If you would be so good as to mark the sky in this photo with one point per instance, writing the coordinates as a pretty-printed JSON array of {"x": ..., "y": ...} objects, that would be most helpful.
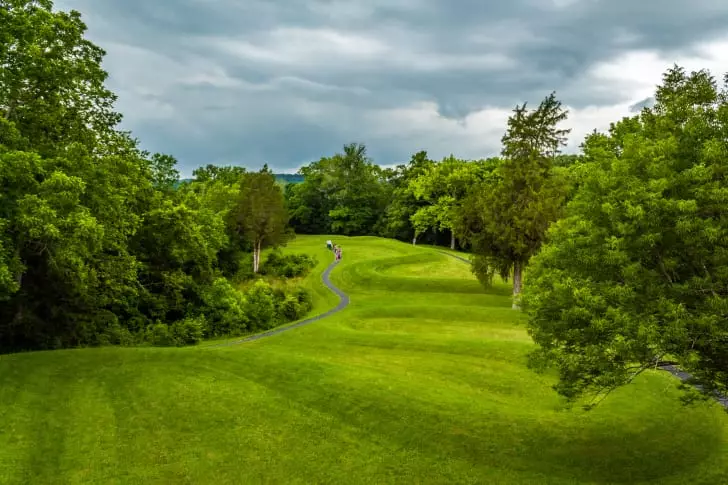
[{"x": 247, "y": 82}]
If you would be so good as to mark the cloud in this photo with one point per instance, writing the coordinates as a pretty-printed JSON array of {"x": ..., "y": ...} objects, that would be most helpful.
[
  {"x": 222, "y": 81},
  {"x": 640, "y": 105}
]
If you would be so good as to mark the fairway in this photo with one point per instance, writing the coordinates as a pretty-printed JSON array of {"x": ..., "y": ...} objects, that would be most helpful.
[{"x": 422, "y": 378}]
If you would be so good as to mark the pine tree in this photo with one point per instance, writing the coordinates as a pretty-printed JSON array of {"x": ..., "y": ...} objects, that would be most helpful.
[{"x": 506, "y": 218}]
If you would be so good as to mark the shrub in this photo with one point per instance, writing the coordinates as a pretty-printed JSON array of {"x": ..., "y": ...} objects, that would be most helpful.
[
  {"x": 305, "y": 299},
  {"x": 224, "y": 308},
  {"x": 295, "y": 305},
  {"x": 115, "y": 334},
  {"x": 189, "y": 331},
  {"x": 287, "y": 266},
  {"x": 289, "y": 309},
  {"x": 159, "y": 335},
  {"x": 260, "y": 307},
  {"x": 245, "y": 268}
]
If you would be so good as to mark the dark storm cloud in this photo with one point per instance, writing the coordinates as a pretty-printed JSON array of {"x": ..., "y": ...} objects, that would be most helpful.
[
  {"x": 215, "y": 81},
  {"x": 645, "y": 103}
]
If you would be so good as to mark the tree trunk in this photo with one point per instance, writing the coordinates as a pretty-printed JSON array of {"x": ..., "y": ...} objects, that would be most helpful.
[
  {"x": 256, "y": 256},
  {"x": 517, "y": 283},
  {"x": 260, "y": 245},
  {"x": 452, "y": 241},
  {"x": 414, "y": 241}
]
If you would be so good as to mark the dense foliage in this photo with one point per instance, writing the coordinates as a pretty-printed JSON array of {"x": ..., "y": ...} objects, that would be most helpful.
[
  {"x": 96, "y": 245},
  {"x": 348, "y": 194},
  {"x": 637, "y": 271}
]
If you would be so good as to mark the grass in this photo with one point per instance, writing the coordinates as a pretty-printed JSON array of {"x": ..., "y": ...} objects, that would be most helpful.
[{"x": 422, "y": 379}]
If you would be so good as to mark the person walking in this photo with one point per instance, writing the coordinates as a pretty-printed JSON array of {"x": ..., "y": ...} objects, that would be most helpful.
[{"x": 329, "y": 245}]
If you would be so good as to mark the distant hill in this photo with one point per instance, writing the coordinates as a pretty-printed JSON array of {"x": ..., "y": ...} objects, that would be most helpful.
[
  {"x": 281, "y": 178},
  {"x": 291, "y": 178}
]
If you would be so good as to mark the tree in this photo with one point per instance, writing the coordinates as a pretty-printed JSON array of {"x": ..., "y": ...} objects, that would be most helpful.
[
  {"x": 71, "y": 187},
  {"x": 442, "y": 186},
  {"x": 51, "y": 80},
  {"x": 637, "y": 271},
  {"x": 403, "y": 204},
  {"x": 164, "y": 174},
  {"x": 260, "y": 213},
  {"x": 344, "y": 194},
  {"x": 177, "y": 246},
  {"x": 355, "y": 188},
  {"x": 309, "y": 202},
  {"x": 230, "y": 175},
  {"x": 506, "y": 219}
]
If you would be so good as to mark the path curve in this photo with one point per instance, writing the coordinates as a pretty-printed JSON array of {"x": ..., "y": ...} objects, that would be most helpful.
[
  {"x": 325, "y": 277},
  {"x": 667, "y": 367}
]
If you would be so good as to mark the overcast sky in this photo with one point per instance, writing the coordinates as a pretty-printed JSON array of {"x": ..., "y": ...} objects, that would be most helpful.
[{"x": 286, "y": 82}]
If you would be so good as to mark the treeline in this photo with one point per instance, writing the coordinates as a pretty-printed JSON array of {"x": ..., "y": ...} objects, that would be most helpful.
[
  {"x": 499, "y": 208},
  {"x": 97, "y": 245},
  {"x": 622, "y": 248}
]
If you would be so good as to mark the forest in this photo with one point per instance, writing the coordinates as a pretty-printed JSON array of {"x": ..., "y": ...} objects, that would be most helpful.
[{"x": 618, "y": 254}]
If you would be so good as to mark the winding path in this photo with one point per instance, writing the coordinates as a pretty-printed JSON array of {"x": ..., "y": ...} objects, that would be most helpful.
[
  {"x": 343, "y": 303},
  {"x": 667, "y": 367}
]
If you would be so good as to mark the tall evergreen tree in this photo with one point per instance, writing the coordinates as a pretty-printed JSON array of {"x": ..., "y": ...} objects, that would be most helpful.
[{"x": 505, "y": 221}]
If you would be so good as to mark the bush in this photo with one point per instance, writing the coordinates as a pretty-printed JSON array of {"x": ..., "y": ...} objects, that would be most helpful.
[
  {"x": 305, "y": 299},
  {"x": 294, "y": 306},
  {"x": 289, "y": 309},
  {"x": 287, "y": 266},
  {"x": 115, "y": 334},
  {"x": 245, "y": 268},
  {"x": 189, "y": 331},
  {"x": 159, "y": 335},
  {"x": 260, "y": 307},
  {"x": 224, "y": 308}
]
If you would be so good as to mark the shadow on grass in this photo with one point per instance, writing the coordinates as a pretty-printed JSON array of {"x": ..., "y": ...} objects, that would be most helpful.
[{"x": 593, "y": 449}]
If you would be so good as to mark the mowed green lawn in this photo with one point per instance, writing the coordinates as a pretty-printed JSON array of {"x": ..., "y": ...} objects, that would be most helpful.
[{"x": 422, "y": 379}]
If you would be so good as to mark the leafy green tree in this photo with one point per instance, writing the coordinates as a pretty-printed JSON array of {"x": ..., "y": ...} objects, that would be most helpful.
[
  {"x": 164, "y": 175},
  {"x": 507, "y": 219},
  {"x": 260, "y": 214},
  {"x": 71, "y": 187},
  {"x": 395, "y": 222},
  {"x": 51, "y": 80},
  {"x": 637, "y": 272},
  {"x": 344, "y": 194},
  {"x": 67, "y": 223},
  {"x": 96, "y": 245},
  {"x": 356, "y": 190},
  {"x": 219, "y": 193},
  {"x": 443, "y": 186},
  {"x": 229, "y": 175},
  {"x": 178, "y": 248},
  {"x": 309, "y": 202}
]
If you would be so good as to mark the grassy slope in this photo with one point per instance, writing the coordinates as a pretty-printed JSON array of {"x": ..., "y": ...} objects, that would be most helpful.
[{"x": 421, "y": 380}]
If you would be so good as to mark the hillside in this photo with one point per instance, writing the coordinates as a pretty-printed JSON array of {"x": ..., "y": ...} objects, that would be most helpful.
[
  {"x": 422, "y": 379},
  {"x": 283, "y": 178}
]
